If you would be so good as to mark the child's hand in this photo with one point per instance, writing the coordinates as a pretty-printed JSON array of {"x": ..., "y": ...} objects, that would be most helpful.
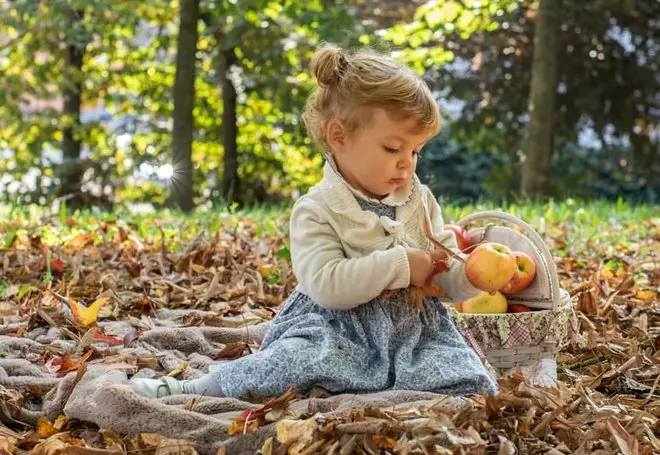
[{"x": 422, "y": 265}]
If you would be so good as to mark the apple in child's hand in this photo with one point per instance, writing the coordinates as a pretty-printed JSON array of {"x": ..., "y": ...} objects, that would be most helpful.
[
  {"x": 485, "y": 302},
  {"x": 491, "y": 266},
  {"x": 525, "y": 275},
  {"x": 462, "y": 237},
  {"x": 518, "y": 308}
]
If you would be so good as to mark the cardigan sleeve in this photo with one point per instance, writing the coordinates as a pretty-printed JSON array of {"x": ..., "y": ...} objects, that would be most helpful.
[
  {"x": 325, "y": 273},
  {"x": 453, "y": 281}
]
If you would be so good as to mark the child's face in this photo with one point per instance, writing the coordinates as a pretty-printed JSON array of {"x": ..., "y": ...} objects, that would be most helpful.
[{"x": 378, "y": 157}]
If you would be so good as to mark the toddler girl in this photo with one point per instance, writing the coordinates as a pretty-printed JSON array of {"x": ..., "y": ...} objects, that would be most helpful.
[{"x": 358, "y": 233}]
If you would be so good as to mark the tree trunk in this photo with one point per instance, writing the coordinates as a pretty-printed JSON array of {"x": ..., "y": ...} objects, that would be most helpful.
[
  {"x": 230, "y": 185},
  {"x": 230, "y": 182},
  {"x": 71, "y": 170},
  {"x": 184, "y": 100},
  {"x": 543, "y": 94}
]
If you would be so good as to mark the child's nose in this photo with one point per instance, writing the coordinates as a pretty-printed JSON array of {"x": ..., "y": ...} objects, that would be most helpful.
[{"x": 407, "y": 162}]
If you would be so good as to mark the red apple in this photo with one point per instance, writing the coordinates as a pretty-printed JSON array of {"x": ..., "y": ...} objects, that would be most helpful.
[
  {"x": 518, "y": 308},
  {"x": 525, "y": 275},
  {"x": 485, "y": 302},
  {"x": 462, "y": 237},
  {"x": 490, "y": 266},
  {"x": 438, "y": 268}
]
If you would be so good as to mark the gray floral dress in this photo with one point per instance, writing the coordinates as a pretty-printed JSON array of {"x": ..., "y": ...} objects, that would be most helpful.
[{"x": 383, "y": 344}]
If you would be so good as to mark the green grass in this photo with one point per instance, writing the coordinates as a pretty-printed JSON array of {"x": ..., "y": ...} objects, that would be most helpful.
[{"x": 577, "y": 223}]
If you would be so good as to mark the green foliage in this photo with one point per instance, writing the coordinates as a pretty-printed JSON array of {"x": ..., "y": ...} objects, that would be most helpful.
[
  {"x": 607, "y": 82},
  {"x": 476, "y": 52},
  {"x": 273, "y": 41},
  {"x": 463, "y": 175},
  {"x": 117, "y": 65}
]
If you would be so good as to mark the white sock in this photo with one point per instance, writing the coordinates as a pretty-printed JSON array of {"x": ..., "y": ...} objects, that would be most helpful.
[{"x": 206, "y": 385}]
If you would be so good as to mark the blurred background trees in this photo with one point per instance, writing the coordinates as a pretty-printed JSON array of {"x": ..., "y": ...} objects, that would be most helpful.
[{"x": 198, "y": 102}]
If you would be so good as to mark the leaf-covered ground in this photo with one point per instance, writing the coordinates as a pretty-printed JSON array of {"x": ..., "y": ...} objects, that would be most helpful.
[{"x": 56, "y": 270}]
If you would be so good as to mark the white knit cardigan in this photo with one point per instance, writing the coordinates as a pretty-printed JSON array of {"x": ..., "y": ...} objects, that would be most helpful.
[{"x": 344, "y": 256}]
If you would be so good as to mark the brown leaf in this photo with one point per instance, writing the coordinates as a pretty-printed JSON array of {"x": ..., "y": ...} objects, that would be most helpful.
[
  {"x": 231, "y": 351},
  {"x": 57, "y": 444},
  {"x": 68, "y": 365},
  {"x": 166, "y": 446},
  {"x": 629, "y": 445},
  {"x": 384, "y": 442},
  {"x": 255, "y": 418}
]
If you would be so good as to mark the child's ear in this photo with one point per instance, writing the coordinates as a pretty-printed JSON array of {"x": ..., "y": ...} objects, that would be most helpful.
[{"x": 336, "y": 135}]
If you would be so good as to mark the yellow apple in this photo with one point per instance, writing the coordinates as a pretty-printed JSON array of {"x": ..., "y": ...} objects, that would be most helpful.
[
  {"x": 491, "y": 266},
  {"x": 525, "y": 275},
  {"x": 485, "y": 302}
]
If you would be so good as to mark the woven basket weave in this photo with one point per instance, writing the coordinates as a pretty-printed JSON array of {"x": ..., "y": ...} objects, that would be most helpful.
[{"x": 510, "y": 340}]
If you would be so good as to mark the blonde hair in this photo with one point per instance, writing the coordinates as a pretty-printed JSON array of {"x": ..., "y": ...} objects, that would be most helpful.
[{"x": 350, "y": 82}]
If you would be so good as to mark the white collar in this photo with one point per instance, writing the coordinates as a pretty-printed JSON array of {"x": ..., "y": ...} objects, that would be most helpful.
[
  {"x": 340, "y": 196},
  {"x": 397, "y": 198}
]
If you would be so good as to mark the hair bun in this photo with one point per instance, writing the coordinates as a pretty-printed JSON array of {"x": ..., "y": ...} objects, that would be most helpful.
[{"x": 329, "y": 65}]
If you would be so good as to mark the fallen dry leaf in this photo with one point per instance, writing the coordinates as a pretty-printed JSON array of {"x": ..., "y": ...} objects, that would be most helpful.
[
  {"x": 231, "y": 351},
  {"x": 166, "y": 446},
  {"x": 607, "y": 400},
  {"x": 87, "y": 316},
  {"x": 65, "y": 365},
  {"x": 100, "y": 336},
  {"x": 274, "y": 410},
  {"x": 57, "y": 444},
  {"x": 176, "y": 372}
]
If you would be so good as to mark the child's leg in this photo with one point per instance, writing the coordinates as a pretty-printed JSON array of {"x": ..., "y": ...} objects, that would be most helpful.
[{"x": 312, "y": 358}]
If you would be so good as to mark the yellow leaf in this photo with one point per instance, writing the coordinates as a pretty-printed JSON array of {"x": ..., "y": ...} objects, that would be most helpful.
[
  {"x": 645, "y": 295},
  {"x": 265, "y": 270},
  {"x": 87, "y": 316},
  {"x": 178, "y": 371},
  {"x": 79, "y": 242},
  {"x": 606, "y": 273},
  {"x": 8, "y": 444},
  {"x": 242, "y": 425},
  {"x": 60, "y": 421},
  {"x": 45, "y": 429},
  {"x": 301, "y": 431}
]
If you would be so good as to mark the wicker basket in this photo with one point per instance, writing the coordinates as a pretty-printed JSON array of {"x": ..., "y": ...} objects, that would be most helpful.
[{"x": 520, "y": 339}]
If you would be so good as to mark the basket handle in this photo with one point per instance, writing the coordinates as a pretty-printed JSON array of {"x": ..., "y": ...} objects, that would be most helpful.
[{"x": 545, "y": 252}]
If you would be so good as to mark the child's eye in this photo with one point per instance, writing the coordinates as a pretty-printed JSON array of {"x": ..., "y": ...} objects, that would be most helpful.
[{"x": 391, "y": 150}]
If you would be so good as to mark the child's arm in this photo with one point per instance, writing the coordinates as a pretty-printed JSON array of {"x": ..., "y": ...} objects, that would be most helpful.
[
  {"x": 453, "y": 281},
  {"x": 326, "y": 275}
]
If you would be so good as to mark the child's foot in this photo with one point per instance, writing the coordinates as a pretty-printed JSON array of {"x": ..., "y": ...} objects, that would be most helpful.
[{"x": 157, "y": 388}]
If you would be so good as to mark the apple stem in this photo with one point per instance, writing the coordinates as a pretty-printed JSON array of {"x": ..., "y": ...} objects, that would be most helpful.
[{"x": 487, "y": 229}]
